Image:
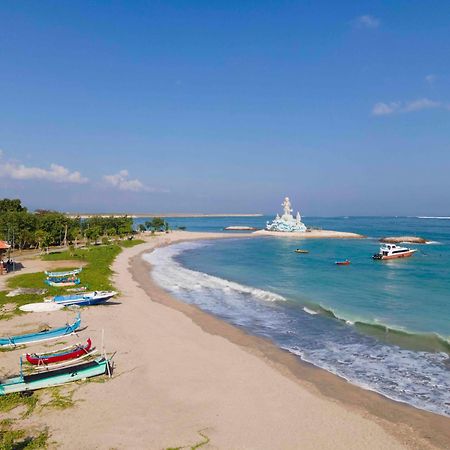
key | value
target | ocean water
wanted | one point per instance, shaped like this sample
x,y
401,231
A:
x,y
383,325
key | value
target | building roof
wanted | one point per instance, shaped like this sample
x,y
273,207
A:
x,y
4,245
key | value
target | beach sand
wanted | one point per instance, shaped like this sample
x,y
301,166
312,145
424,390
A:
x,y
182,374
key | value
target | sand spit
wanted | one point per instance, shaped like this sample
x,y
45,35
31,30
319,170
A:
x,y
312,234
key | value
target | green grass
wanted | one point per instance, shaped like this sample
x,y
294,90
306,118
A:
x,y
132,243
18,440
59,400
13,401
203,442
96,275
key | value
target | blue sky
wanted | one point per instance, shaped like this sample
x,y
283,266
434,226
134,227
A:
x,y
208,106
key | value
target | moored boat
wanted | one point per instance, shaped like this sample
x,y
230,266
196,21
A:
x,y
299,250
68,353
44,335
343,263
393,251
84,298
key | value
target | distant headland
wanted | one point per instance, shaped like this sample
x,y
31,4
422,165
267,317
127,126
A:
x,y
142,215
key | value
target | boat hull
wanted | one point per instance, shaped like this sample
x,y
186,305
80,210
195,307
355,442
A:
x,y
73,353
86,299
41,336
63,283
55,378
398,256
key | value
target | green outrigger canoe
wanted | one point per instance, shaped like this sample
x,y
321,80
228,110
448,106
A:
x,y
57,377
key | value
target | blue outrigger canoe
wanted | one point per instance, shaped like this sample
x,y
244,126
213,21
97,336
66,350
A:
x,y
55,333
57,377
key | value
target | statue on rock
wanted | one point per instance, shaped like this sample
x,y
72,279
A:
x,y
286,223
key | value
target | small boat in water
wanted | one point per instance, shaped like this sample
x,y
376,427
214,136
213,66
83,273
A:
x,y
39,336
343,263
299,250
392,251
64,354
84,298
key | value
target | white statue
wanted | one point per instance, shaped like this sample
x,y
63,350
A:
x,y
286,223
287,207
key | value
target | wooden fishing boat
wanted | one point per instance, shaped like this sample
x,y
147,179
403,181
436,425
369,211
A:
x,y
299,250
39,380
84,299
39,336
63,274
72,280
343,263
68,353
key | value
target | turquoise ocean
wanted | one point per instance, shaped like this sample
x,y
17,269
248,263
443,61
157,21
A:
x,y
382,325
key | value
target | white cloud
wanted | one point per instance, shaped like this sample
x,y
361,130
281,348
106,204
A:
x,y
367,21
56,173
384,109
431,78
122,182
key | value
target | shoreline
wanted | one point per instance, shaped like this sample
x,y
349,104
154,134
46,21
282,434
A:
x,y
417,424
181,372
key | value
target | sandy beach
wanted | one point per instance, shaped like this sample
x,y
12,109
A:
x,y
183,377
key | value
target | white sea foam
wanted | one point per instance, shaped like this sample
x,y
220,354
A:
x,y
434,217
173,276
310,311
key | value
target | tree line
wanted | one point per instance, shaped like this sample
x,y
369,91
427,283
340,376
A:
x,y
43,228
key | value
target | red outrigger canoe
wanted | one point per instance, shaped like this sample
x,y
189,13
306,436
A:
x,y
75,351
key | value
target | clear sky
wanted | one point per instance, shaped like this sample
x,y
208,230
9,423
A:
x,y
226,106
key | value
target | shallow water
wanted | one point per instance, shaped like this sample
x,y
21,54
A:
x,y
382,325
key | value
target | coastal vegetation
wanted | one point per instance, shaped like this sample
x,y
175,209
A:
x,y
44,228
96,274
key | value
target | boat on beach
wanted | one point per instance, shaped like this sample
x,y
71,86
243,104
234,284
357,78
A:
x,y
84,298
43,379
65,274
39,336
71,280
393,251
64,354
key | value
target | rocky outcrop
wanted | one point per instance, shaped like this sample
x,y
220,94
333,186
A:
x,y
399,239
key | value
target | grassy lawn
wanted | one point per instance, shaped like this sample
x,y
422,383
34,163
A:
x,y
96,275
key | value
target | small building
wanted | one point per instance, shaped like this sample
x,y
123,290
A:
x,y
4,247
